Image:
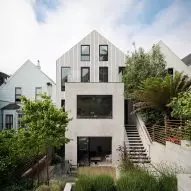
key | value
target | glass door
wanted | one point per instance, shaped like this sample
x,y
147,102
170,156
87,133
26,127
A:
x,y
83,151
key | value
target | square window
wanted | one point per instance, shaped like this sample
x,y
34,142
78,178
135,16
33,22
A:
x,y
103,52
85,52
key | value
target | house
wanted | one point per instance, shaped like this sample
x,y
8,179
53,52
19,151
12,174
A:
x,y
28,81
187,60
89,87
173,62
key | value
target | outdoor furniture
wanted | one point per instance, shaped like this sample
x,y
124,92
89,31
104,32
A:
x,y
95,159
108,158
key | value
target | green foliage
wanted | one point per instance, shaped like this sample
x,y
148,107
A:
x,y
43,188
84,183
152,116
140,66
46,126
156,92
103,183
181,105
57,185
137,180
167,183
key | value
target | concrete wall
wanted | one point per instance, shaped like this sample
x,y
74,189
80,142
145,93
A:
x,y
72,59
95,127
171,154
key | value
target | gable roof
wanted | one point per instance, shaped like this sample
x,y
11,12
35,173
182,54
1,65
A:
x,y
33,65
172,60
187,60
3,76
11,106
89,34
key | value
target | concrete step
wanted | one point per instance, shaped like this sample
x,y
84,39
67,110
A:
x,y
136,144
135,141
140,160
135,147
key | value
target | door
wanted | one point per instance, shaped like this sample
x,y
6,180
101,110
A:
x,y
83,151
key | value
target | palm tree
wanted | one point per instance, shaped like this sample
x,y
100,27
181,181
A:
x,y
158,92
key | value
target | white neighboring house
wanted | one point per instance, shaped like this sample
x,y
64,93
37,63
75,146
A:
x,y
89,87
173,62
28,81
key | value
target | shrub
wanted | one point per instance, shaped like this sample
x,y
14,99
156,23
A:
x,y
167,183
43,188
137,180
103,183
56,185
84,183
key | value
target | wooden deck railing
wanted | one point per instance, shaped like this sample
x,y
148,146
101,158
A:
x,y
173,131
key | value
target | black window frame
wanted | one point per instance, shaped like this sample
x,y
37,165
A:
x,y
92,114
81,54
170,71
9,125
18,100
82,80
121,69
63,86
36,95
102,76
100,55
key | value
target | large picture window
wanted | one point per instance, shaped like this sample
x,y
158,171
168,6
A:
x,y
65,71
103,74
103,52
85,74
85,52
94,106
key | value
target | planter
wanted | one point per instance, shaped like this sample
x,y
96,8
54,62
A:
x,y
68,186
185,143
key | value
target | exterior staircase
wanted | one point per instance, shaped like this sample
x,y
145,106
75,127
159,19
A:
x,y
137,152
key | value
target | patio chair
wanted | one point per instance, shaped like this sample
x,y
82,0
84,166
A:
x,y
108,158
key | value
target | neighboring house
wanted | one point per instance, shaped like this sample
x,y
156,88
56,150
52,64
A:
x,y
174,63
187,60
28,81
89,87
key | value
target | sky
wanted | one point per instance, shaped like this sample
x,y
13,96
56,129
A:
x,y
45,29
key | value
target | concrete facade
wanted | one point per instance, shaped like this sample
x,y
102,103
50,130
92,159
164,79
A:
x,y
95,127
28,77
113,127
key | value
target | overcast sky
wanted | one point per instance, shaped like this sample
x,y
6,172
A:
x,y
45,29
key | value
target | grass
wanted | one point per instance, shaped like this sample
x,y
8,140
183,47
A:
x,y
110,171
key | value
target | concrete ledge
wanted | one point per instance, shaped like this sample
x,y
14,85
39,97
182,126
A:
x,y
184,182
68,186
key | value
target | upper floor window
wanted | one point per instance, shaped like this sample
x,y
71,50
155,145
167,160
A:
x,y
18,93
94,106
9,121
103,52
85,74
103,74
65,71
170,71
38,92
85,52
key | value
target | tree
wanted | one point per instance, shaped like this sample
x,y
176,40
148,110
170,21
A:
x,y
156,92
46,125
140,66
181,106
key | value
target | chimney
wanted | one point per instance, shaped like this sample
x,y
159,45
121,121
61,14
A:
x,y
38,64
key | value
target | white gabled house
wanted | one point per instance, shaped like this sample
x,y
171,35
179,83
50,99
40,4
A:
x,y
89,87
28,81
